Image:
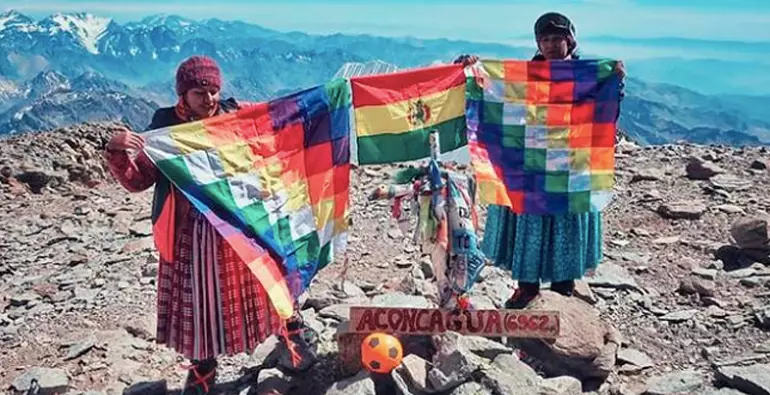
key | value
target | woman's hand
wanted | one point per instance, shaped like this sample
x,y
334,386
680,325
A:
x,y
124,140
620,68
466,60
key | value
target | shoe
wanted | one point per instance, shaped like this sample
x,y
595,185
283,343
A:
x,y
520,299
300,347
201,377
565,288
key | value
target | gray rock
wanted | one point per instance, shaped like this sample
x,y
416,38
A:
x,y
49,381
414,372
708,274
682,210
730,183
80,347
742,273
694,285
339,312
751,232
471,388
23,299
427,268
680,316
612,276
350,290
399,299
484,347
677,382
698,169
758,164
564,385
716,312
141,229
730,209
762,316
753,380
634,357
508,375
273,381
649,174
360,384
752,282
452,365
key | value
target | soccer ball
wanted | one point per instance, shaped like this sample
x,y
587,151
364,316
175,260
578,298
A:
x,y
381,353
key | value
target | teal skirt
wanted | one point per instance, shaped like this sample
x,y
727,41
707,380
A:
x,y
543,248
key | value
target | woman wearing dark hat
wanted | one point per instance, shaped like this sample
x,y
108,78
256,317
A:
x,y
209,303
544,248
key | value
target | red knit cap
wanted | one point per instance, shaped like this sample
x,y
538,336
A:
x,y
197,72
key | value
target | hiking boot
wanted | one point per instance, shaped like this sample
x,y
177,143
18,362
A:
x,y
201,377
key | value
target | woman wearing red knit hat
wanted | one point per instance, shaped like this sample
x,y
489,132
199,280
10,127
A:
x,y
209,303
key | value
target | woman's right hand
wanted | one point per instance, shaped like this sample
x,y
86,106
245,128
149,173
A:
x,y
124,140
466,60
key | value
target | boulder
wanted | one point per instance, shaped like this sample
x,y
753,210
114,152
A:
x,y
587,346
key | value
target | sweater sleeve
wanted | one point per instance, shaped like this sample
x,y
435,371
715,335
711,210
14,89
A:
x,y
135,174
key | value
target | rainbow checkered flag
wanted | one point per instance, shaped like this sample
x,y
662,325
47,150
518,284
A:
x,y
273,179
542,134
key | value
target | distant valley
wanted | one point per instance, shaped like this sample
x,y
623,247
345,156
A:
x,y
73,68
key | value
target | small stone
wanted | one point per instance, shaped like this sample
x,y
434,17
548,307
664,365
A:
x,y
729,209
563,385
50,381
751,282
759,165
716,312
682,210
680,316
80,347
675,383
667,240
611,275
730,183
23,299
471,388
698,169
708,274
427,267
417,370
141,229
634,357
742,273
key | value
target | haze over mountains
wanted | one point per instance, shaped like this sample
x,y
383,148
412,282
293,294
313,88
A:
x,y
73,68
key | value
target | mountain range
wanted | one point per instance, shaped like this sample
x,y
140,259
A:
x,y
73,68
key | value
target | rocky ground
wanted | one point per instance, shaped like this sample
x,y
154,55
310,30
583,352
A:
x,y
661,315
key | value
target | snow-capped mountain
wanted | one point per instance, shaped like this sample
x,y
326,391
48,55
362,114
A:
x,y
81,67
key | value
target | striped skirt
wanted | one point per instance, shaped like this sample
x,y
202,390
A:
x,y
209,303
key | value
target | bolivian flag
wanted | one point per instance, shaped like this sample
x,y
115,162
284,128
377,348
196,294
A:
x,y
395,113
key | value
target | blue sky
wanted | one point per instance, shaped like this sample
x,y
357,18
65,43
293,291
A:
x,y
485,20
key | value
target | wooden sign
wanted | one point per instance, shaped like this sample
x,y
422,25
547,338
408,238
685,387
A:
x,y
489,323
